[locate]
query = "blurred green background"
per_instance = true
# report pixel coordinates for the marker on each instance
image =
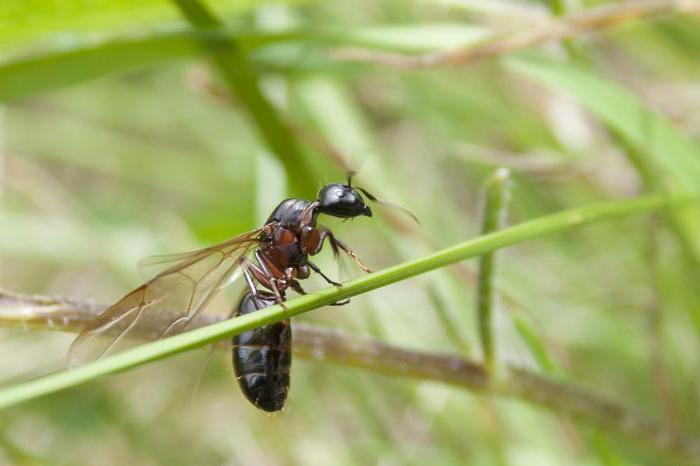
(118, 140)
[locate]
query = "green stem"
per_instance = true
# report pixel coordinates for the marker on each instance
(539, 227)
(448, 324)
(495, 208)
(243, 82)
(536, 346)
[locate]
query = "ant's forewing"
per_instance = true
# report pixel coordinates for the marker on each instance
(167, 303)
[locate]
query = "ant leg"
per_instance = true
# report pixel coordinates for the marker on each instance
(253, 272)
(273, 281)
(337, 245)
(296, 286)
(341, 303)
(344, 247)
(326, 233)
(350, 253)
(290, 277)
(278, 294)
(251, 287)
(249, 281)
(315, 268)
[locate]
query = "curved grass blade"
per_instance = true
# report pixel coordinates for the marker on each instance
(244, 83)
(673, 157)
(51, 70)
(144, 354)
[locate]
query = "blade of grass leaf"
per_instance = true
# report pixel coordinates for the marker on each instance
(448, 324)
(24, 77)
(536, 346)
(664, 157)
(538, 349)
(49, 70)
(532, 229)
(669, 150)
(244, 83)
(494, 213)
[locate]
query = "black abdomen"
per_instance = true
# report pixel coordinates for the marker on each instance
(262, 357)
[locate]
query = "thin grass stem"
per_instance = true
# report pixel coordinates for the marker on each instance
(537, 228)
(496, 192)
(243, 82)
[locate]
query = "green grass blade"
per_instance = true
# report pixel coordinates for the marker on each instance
(244, 83)
(672, 156)
(33, 22)
(86, 60)
(447, 323)
(674, 153)
(496, 194)
(24, 77)
(537, 347)
(532, 229)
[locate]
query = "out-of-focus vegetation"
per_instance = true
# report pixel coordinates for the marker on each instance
(120, 138)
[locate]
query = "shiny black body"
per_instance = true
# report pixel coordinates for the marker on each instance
(262, 357)
(289, 213)
(342, 200)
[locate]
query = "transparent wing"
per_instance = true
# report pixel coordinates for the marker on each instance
(152, 266)
(167, 303)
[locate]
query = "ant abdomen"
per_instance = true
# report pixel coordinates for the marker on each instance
(262, 357)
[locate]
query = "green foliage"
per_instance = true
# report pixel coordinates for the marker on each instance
(60, 23)
(672, 154)
(84, 61)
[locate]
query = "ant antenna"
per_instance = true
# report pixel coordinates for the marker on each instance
(351, 173)
(373, 198)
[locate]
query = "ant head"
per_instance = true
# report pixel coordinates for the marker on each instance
(342, 200)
